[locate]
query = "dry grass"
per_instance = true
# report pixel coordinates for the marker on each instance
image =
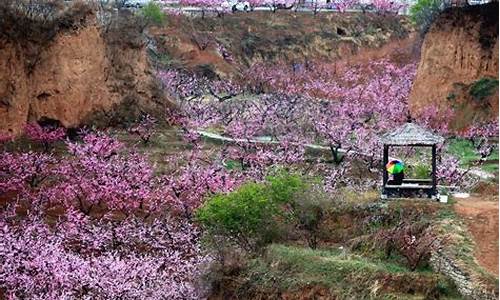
(283, 36)
(333, 274)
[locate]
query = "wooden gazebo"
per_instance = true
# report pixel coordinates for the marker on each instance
(411, 135)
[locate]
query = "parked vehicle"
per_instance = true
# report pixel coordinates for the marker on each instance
(477, 2)
(239, 5)
(135, 3)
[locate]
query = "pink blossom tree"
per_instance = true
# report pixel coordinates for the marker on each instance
(450, 172)
(188, 186)
(78, 258)
(145, 128)
(45, 135)
(343, 5)
(24, 173)
(99, 173)
(389, 6)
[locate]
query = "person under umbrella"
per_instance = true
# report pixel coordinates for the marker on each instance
(396, 168)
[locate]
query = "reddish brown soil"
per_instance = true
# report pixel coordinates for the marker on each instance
(282, 37)
(481, 216)
(460, 48)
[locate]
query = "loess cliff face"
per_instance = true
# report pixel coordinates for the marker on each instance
(66, 85)
(79, 74)
(229, 45)
(460, 50)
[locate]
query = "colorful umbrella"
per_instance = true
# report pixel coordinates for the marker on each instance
(395, 166)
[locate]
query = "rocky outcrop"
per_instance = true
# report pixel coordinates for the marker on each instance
(460, 49)
(82, 71)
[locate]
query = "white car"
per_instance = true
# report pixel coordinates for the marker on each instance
(477, 2)
(135, 3)
(239, 5)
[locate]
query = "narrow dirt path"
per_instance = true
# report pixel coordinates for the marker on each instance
(481, 217)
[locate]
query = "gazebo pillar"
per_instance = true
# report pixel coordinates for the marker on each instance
(385, 161)
(434, 169)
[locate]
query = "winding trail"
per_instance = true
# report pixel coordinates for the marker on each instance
(481, 216)
(268, 140)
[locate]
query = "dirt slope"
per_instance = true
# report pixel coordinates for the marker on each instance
(227, 46)
(81, 70)
(481, 217)
(460, 48)
(66, 85)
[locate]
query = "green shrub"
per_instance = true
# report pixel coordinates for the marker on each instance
(283, 186)
(249, 216)
(421, 171)
(451, 97)
(483, 88)
(309, 208)
(424, 12)
(152, 14)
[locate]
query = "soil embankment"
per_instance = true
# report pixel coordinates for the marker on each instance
(458, 68)
(227, 46)
(481, 217)
(89, 64)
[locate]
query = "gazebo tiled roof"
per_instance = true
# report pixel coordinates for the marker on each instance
(411, 134)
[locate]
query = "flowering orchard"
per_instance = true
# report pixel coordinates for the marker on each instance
(78, 258)
(98, 223)
(301, 105)
(273, 115)
(100, 219)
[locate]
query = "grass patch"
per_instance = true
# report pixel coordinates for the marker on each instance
(343, 276)
(464, 150)
(490, 168)
(447, 212)
(325, 266)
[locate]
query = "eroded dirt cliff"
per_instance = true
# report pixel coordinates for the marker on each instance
(228, 46)
(459, 54)
(85, 70)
